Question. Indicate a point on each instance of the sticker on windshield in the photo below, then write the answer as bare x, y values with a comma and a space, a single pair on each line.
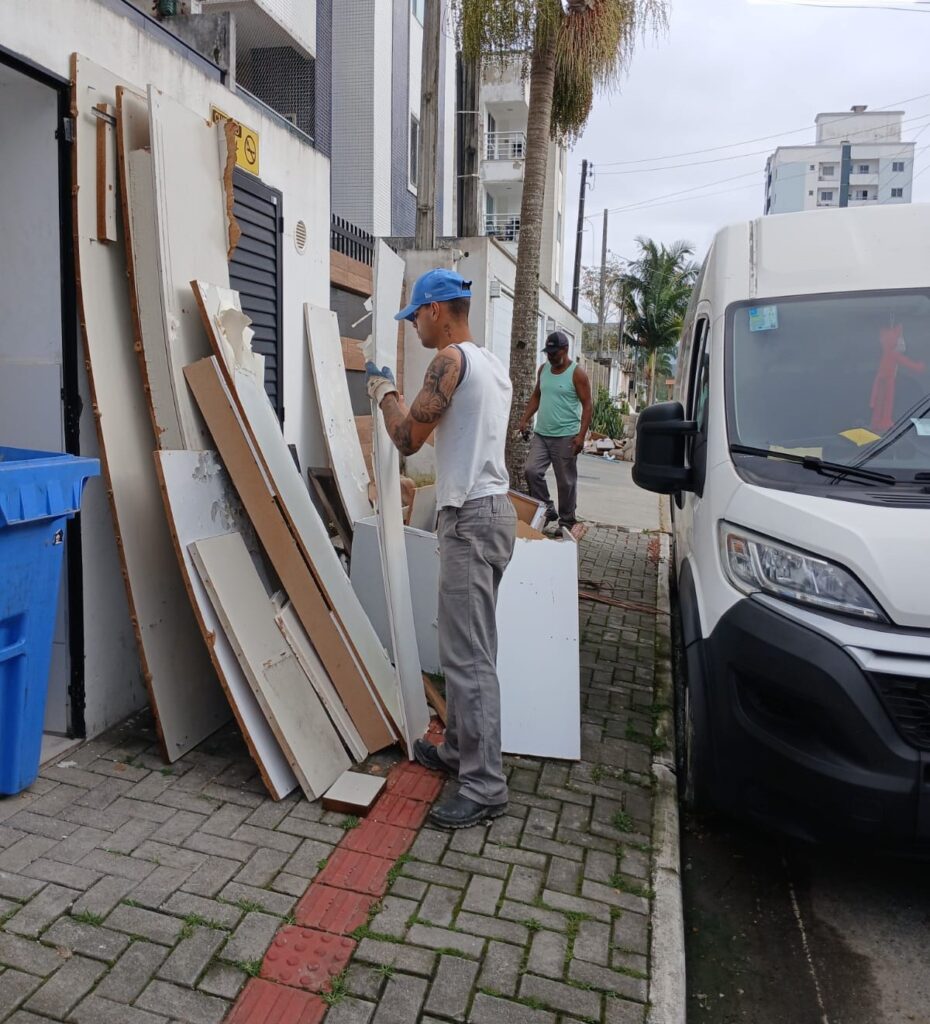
763, 318
922, 427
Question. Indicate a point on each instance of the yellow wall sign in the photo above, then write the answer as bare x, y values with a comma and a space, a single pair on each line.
246, 142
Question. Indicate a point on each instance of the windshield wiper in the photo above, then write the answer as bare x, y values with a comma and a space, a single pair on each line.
837, 470
897, 430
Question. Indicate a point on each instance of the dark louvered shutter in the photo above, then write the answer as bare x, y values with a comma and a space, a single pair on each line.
255, 272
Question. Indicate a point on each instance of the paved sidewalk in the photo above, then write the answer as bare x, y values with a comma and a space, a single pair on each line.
135, 893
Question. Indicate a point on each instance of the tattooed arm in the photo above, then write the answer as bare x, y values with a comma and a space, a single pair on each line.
410, 428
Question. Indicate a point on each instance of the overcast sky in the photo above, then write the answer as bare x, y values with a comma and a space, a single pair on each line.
729, 71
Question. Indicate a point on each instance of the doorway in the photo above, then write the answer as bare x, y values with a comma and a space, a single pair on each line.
38, 333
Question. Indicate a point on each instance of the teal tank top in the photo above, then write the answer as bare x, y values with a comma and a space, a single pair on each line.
559, 413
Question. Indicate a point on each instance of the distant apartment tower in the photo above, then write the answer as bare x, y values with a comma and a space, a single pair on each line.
504, 110
857, 160
377, 48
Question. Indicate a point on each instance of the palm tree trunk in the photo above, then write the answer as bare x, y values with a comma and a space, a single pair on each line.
652, 378
524, 337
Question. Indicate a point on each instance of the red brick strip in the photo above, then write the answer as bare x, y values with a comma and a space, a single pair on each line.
304, 958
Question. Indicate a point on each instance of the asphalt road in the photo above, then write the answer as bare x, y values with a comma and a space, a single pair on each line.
779, 933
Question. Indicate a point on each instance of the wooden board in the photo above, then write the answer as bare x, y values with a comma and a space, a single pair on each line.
250, 480
299, 642
388, 283
529, 510
312, 537
335, 405
201, 503
185, 694
324, 486
188, 157
353, 793
106, 174
286, 697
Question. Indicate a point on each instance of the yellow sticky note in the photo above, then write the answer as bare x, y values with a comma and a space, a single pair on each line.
817, 453
859, 436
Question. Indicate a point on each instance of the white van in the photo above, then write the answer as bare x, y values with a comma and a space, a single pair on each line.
797, 455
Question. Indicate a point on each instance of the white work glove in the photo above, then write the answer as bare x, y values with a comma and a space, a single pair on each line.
380, 383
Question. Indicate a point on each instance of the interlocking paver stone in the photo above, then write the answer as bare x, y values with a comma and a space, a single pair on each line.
250, 940
148, 924
483, 894
190, 957
547, 954
394, 954
393, 917
40, 911
500, 970
442, 938
262, 868
66, 987
15, 989
401, 1001
183, 1004
132, 972
592, 943
23, 955
451, 990
439, 905
493, 1010
87, 939
183, 904
609, 980
559, 996
351, 1011
211, 876
222, 980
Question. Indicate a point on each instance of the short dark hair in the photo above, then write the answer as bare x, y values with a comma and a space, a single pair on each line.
459, 308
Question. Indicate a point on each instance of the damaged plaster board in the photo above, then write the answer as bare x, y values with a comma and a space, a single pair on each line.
289, 702
248, 476
388, 283
228, 328
185, 694
201, 503
313, 539
296, 636
335, 405
191, 226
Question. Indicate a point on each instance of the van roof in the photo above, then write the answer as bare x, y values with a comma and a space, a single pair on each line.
834, 250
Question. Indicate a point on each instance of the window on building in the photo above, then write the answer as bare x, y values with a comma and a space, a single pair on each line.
827, 170
897, 166
826, 195
861, 193
417, 8
811, 167
811, 192
864, 169
897, 193
558, 226
413, 158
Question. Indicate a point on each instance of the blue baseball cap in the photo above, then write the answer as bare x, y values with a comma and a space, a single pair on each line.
435, 286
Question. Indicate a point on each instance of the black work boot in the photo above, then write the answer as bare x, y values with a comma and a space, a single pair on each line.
460, 812
427, 755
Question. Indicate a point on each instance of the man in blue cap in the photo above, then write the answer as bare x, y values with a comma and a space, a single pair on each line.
465, 398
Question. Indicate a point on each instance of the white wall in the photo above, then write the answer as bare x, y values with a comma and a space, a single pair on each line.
48, 36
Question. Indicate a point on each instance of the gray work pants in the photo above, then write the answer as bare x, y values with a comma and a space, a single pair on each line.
475, 546
559, 452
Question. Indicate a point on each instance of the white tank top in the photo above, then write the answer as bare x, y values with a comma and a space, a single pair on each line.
471, 435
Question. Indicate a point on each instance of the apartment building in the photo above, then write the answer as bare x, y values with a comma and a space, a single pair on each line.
858, 159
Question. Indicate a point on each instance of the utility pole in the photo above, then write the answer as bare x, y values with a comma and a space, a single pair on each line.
429, 127
469, 141
602, 312
576, 277
845, 169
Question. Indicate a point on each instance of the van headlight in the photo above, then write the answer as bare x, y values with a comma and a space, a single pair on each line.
755, 564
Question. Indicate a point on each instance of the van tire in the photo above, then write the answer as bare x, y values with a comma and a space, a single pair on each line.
693, 760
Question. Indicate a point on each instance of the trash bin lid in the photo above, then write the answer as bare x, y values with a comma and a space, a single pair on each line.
41, 485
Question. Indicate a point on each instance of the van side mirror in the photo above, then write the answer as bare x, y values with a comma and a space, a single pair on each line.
659, 464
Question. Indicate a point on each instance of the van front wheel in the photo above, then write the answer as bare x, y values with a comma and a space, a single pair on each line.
692, 740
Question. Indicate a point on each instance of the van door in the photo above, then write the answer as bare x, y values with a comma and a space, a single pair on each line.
694, 396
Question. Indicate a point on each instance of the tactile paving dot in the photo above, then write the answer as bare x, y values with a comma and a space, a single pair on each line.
305, 958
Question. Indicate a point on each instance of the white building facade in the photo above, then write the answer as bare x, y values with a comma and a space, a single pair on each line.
858, 159
504, 110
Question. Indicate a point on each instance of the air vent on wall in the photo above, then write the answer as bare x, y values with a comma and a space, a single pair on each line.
300, 236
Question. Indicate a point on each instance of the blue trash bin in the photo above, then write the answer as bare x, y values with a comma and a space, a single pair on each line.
39, 492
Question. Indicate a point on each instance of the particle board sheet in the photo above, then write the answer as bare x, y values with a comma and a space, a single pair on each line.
299, 642
388, 283
186, 696
201, 503
313, 539
188, 159
284, 692
247, 473
335, 405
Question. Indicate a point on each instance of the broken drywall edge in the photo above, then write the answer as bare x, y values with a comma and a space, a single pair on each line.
227, 145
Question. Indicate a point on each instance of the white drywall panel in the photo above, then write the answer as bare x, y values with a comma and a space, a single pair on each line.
388, 283
190, 223
284, 692
221, 311
312, 536
186, 695
292, 628
335, 405
201, 503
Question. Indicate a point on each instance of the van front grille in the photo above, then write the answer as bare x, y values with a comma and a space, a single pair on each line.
907, 700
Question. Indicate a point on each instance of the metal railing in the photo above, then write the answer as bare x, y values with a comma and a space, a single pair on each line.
506, 146
351, 241
503, 226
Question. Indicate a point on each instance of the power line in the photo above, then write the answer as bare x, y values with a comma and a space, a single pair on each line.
748, 142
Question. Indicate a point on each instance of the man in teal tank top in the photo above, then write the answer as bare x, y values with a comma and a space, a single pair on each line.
562, 404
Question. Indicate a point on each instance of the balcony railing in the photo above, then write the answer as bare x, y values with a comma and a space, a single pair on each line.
351, 241
503, 226
506, 146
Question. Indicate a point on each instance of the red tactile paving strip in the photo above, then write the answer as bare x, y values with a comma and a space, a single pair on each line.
333, 910
263, 1002
307, 955
306, 958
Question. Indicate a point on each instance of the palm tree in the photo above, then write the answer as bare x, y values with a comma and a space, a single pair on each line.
658, 287
571, 48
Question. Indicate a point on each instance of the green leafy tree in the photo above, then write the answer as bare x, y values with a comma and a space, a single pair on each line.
657, 287
571, 49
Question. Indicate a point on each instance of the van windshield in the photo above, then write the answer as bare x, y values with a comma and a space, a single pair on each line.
845, 379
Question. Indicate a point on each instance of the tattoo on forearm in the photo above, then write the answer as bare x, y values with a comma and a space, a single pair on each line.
398, 425
438, 388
